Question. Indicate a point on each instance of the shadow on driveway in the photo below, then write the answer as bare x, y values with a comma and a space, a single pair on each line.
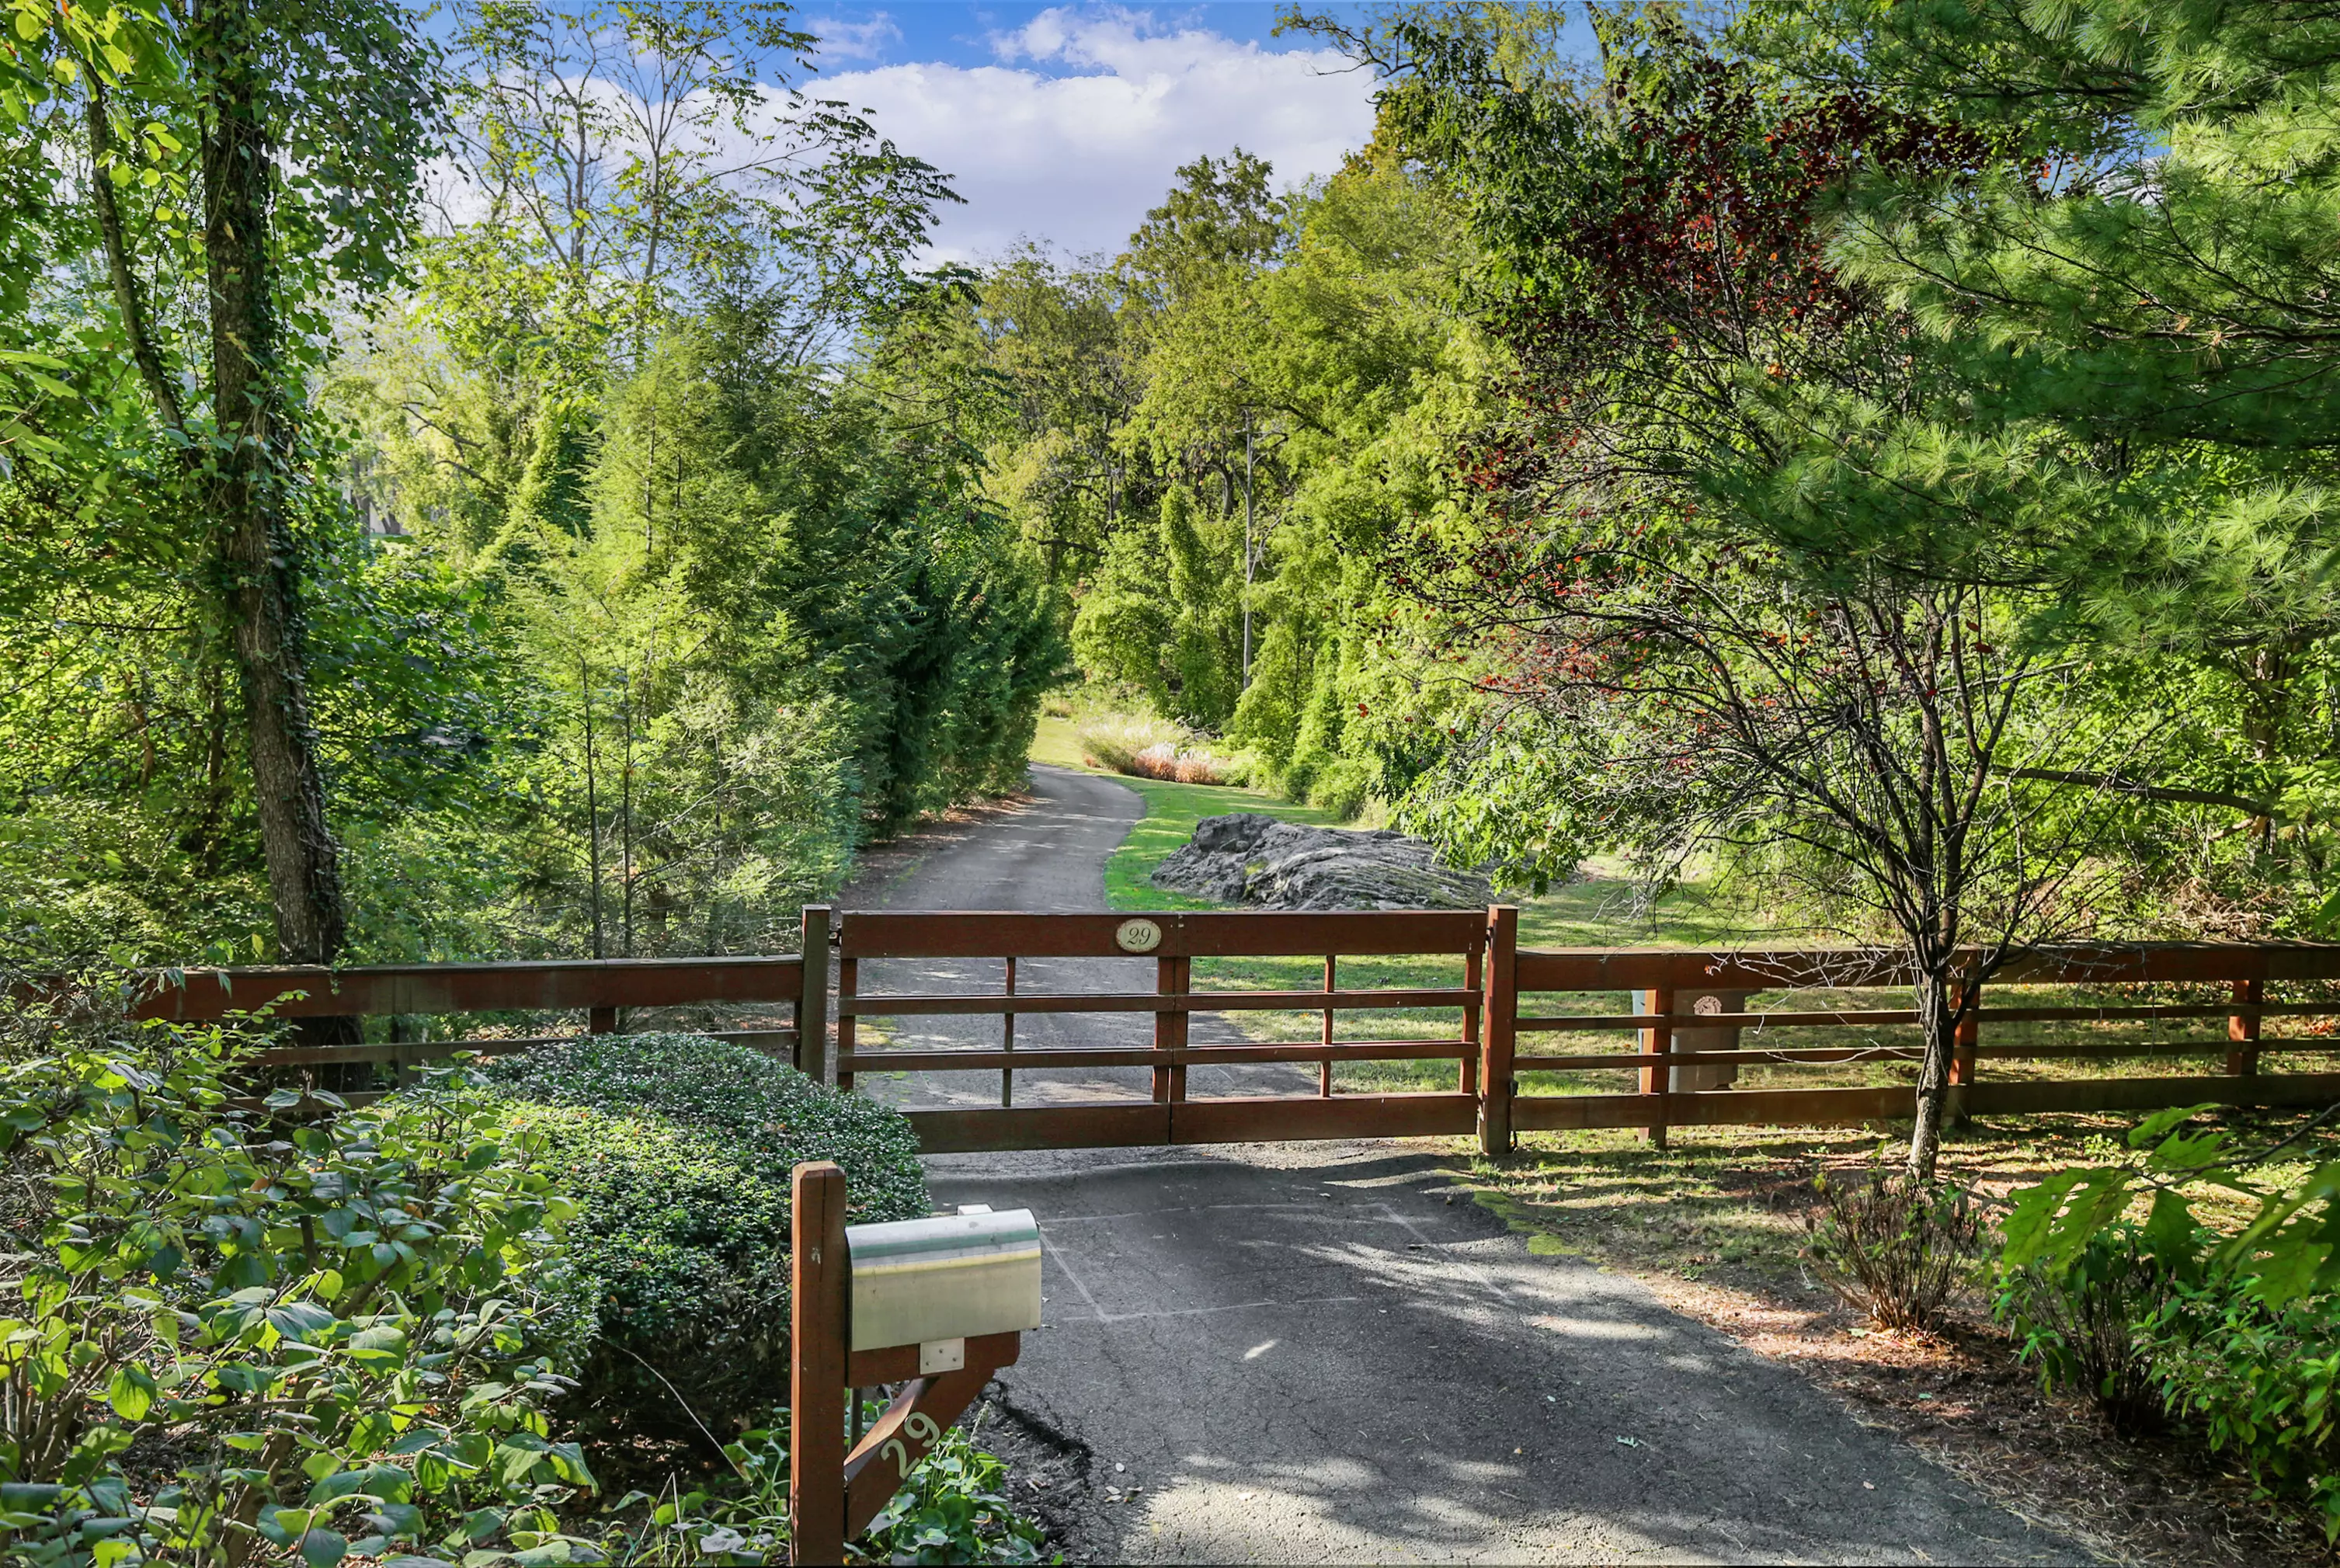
1324, 1353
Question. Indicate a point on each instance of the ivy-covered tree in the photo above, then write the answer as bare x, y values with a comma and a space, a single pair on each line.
201, 184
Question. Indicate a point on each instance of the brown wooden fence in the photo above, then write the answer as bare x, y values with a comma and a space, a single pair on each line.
601, 995
1521, 1032
2090, 994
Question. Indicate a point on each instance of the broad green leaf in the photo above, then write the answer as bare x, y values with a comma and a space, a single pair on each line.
323, 1548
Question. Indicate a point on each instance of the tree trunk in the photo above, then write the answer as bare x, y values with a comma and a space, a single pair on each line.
1940, 1023
256, 553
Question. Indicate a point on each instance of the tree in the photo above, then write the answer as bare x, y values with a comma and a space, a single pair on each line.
2142, 279
1730, 549
225, 171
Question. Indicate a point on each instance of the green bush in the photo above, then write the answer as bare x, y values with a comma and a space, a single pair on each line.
677, 1151
2084, 1327
1343, 786
2242, 1331
238, 1337
953, 1508
2258, 1381
1895, 1249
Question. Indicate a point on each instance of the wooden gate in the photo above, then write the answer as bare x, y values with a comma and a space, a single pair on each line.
1170, 944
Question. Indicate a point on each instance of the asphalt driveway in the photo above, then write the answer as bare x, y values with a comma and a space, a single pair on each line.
1296, 1352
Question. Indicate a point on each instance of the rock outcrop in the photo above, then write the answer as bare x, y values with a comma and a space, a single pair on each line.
1248, 858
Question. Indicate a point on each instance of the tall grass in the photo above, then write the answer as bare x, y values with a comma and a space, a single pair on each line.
1157, 748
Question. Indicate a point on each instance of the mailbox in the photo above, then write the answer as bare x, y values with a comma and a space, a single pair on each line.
950, 1277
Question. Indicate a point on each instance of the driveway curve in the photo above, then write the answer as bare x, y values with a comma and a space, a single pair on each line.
1310, 1353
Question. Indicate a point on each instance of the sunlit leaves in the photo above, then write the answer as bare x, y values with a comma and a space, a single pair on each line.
351, 1406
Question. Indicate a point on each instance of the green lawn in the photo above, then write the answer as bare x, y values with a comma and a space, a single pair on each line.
1589, 913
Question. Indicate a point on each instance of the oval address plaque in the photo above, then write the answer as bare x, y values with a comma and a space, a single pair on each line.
1138, 936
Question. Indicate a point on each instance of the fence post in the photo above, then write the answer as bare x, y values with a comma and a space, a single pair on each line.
812, 996
1968, 1001
1172, 976
1658, 1042
1324, 1070
601, 1020
1498, 1018
819, 1275
1966, 1007
409, 1057
1007, 1043
2243, 1030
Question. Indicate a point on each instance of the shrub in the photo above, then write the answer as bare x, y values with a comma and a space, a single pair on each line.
952, 1508
2258, 1380
678, 1150
2083, 1327
313, 1340
767, 1114
1894, 1249
1156, 749
1345, 785
2245, 1341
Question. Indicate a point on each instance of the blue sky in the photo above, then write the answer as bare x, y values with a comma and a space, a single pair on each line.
961, 35
1063, 123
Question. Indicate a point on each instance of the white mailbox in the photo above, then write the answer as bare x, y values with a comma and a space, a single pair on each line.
951, 1277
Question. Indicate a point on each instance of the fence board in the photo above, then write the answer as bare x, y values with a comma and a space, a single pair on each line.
996, 933
980, 1058
1660, 968
1271, 1119
882, 1005
989, 1129
199, 996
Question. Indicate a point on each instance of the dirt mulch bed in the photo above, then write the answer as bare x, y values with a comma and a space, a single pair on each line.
1963, 1400
1714, 1230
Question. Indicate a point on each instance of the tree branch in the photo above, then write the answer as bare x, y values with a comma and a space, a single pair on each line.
2118, 785
117, 263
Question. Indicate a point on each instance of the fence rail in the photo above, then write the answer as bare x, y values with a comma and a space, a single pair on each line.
1692, 1027
1523, 1047
606, 990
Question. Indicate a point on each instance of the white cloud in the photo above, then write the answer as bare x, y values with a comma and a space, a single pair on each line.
1076, 133
864, 40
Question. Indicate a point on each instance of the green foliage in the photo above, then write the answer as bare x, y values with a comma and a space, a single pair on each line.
952, 1509
2085, 1326
2257, 1383
1222, 435
2119, 301
1163, 614
2236, 1331
677, 1151
610, 460
341, 1335
2286, 1253
681, 1254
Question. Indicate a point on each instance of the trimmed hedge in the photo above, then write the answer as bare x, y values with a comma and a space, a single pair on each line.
678, 1149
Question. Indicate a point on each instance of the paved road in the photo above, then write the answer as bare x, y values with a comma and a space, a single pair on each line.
1321, 1353
1051, 857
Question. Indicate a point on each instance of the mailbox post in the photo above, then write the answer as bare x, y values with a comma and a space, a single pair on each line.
937, 1305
